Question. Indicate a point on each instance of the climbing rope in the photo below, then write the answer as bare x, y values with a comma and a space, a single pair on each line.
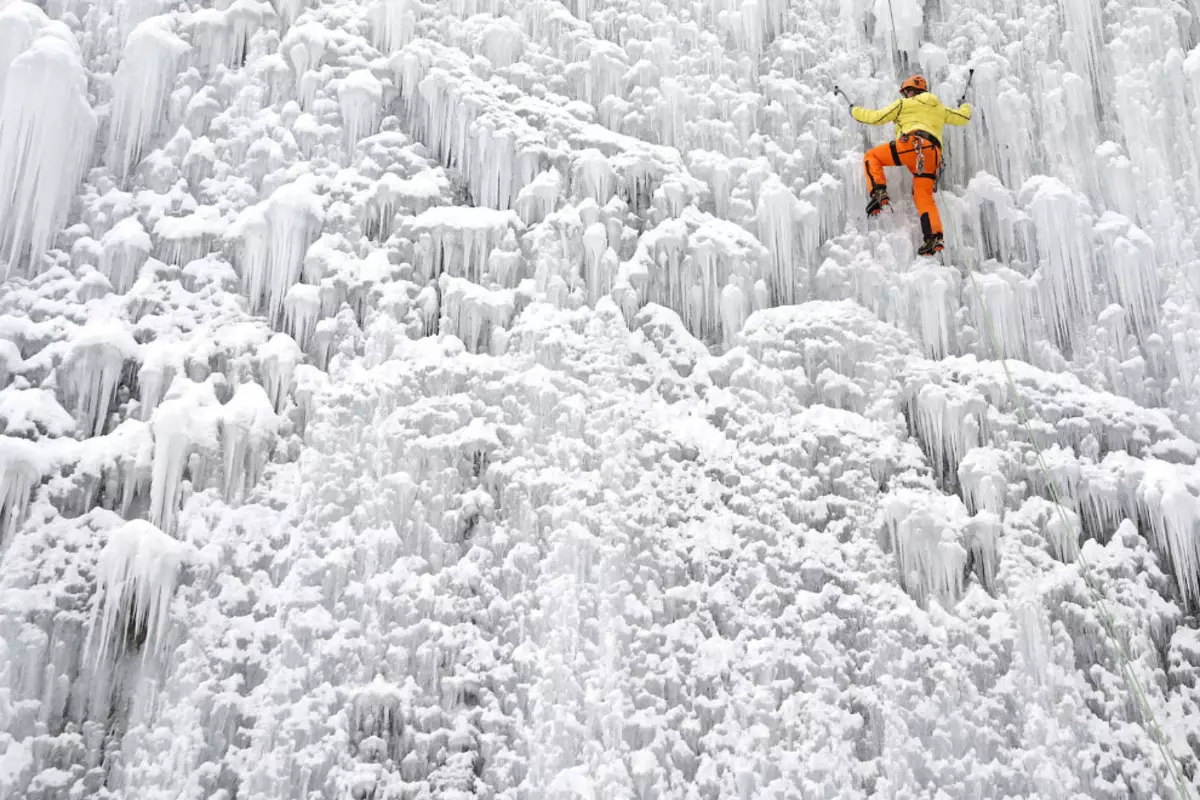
1106, 618
902, 65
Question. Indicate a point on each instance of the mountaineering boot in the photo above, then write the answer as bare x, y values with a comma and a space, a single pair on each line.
879, 199
933, 244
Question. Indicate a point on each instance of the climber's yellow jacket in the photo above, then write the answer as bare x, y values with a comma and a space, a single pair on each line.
924, 112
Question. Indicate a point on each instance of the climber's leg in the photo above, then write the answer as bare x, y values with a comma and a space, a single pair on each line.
923, 160
931, 220
876, 159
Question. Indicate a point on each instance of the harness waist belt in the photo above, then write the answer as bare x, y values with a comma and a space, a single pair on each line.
929, 137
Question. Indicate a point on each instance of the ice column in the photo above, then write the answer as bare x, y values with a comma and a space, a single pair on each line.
393, 23
248, 425
140, 89
1065, 258
46, 132
186, 420
360, 96
21, 465
274, 237
126, 246
91, 370
925, 532
277, 361
137, 574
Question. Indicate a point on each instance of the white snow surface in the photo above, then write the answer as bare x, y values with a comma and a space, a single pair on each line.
507, 399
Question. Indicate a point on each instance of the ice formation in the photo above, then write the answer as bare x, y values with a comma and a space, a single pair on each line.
926, 540
126, 246
273, 237
456, 241
248, 426
484, 399
185, 428
136, 576
140, 89
91, 370
360, 95
46, 131
22, 465
279, 358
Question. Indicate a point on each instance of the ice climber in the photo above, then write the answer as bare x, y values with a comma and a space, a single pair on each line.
919, 116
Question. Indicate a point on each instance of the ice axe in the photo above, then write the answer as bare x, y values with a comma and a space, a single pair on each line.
838, 90
970, 77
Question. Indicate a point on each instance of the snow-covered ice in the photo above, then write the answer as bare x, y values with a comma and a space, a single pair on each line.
508, 399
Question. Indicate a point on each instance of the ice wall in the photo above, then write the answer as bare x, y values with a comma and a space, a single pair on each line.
510, 400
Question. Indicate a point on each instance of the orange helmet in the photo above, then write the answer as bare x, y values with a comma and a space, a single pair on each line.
916, 83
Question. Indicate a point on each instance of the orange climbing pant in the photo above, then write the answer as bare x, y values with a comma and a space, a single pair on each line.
923, 157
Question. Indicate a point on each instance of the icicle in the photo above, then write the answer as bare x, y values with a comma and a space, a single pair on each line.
212, 36
595, 245
415, 195
393, 23
1173, 511
20, 24
245, 17
137, 574
289, 11
302, 311
141, 87
10, 361
983, 533
540, 198
1034, 638
1064, 246
982, 474
1132, 271
376, 721
930, 292
91, 370
471, 312
594, 176
1083, 38
274, 237
126, 247
735, 311
304, 46
360, 95
1119, 183
1006, 298
1062, 534
501, 41
909, 20
924, 530
46, 132
132, 12
505, 263
777, 219
248, 426
161, 359
185, 421
182, 240
945, 421
278, 360
460, 239
22, 464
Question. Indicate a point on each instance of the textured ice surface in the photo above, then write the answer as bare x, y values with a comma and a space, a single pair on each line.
507, 399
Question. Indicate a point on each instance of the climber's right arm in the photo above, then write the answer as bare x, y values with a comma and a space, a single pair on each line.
959, 116
877, 116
